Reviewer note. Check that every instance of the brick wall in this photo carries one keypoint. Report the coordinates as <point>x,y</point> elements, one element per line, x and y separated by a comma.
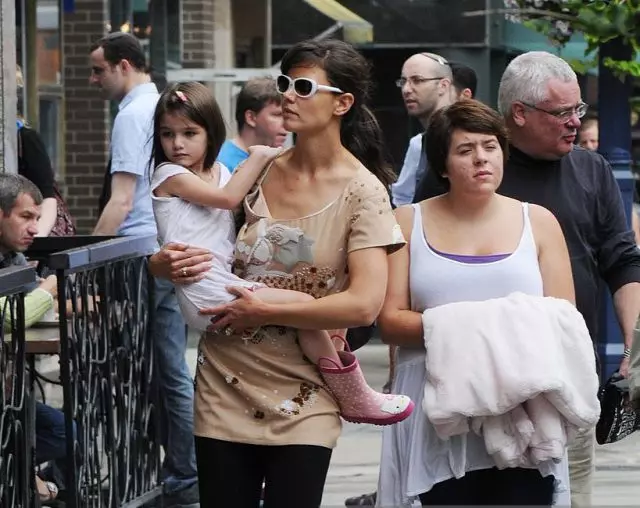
<point>86,113</point>
<point>198,25</point>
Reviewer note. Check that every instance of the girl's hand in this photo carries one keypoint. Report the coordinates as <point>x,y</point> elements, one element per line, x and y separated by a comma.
<point>244,313</point>
<point>265,153</point>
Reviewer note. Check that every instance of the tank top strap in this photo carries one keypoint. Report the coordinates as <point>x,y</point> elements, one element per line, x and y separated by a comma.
<point>527,230</point>
<point>417,233</point>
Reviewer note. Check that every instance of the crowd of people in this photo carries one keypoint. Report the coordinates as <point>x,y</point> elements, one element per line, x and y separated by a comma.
<point>480,264</point>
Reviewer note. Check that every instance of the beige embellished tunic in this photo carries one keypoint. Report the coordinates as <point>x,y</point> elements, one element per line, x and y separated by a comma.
<point>262,390</point>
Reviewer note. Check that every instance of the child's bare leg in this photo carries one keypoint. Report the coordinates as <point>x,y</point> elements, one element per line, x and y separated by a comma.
<point>315,344</point>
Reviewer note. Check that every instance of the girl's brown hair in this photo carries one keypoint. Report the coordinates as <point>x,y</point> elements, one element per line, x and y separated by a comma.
<point>195,102</point>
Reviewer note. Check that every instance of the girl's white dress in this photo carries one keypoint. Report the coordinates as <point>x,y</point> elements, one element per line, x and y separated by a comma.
<point>198,226</point>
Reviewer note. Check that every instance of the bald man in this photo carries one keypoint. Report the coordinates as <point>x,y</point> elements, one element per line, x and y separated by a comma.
<point>426,85</point>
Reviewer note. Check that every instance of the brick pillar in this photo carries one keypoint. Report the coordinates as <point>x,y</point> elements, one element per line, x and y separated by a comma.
<point>87,121</point>
<point>208,43</point>
<point>8,96</point>
<point>198,28</point>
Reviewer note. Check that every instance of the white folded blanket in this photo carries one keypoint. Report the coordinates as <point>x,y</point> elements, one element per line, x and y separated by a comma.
<point>520,370</point>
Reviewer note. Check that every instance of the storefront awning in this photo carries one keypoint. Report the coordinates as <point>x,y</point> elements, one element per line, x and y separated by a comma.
<point>356,29</point>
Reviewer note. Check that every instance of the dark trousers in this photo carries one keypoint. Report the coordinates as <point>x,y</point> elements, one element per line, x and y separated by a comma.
<point>231,474</point>
<point>513,486</point>
<point>51,443</point>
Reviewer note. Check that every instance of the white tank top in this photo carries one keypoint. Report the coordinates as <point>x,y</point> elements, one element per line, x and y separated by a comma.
<point>414,457</point>
<point>437,280</point>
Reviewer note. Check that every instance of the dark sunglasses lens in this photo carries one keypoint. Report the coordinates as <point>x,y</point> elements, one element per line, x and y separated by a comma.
<point>282,83</point>
<point>303,87</point>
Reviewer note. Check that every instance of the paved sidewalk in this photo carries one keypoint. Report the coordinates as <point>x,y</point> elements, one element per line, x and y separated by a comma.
<point>354,466</point>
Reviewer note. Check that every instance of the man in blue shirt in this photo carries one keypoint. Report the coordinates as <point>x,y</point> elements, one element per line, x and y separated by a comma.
<point>426,86</point>
<point>119,70</point>
<point>259,121</point>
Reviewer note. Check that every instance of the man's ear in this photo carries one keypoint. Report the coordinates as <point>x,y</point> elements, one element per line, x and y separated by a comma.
<point>250,118</point>
<point>466,93</point>
<point>125,66</point>
<point>518,114</point>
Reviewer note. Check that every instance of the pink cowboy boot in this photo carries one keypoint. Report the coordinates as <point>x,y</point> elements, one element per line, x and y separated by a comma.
<point>358,402</point>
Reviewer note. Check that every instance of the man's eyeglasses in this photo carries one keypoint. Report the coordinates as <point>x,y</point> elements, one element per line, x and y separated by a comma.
<point>415,81</point>
<point>564,115</point>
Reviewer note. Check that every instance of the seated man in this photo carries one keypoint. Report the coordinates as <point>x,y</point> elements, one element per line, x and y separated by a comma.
<point>20,202</point>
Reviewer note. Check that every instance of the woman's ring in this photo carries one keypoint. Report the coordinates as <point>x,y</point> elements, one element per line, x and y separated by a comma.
<point>184,272</point>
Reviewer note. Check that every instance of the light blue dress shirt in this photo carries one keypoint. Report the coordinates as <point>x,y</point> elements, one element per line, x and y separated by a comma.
<point>131,147</point>
<point>413,168</point>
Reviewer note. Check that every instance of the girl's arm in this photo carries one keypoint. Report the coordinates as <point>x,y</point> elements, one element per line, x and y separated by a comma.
<point>398,324</point>
<point>191,188</point>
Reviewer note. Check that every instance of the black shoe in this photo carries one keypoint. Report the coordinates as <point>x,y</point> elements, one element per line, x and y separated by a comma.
<point>186,498</point>
<point>363,500</point>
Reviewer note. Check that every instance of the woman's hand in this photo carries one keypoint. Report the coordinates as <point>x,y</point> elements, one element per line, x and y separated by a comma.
<point>180,263</point>
<point>244,313</point>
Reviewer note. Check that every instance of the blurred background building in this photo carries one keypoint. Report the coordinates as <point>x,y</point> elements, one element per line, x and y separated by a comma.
<point>224,42</point>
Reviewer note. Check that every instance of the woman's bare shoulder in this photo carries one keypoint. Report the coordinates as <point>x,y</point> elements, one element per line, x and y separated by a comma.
<point>541,215</point>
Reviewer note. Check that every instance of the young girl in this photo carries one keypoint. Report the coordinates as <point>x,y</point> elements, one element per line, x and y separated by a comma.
<point>192,198</point>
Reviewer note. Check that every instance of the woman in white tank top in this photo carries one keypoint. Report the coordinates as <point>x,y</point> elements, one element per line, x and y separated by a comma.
<point>470,244</point>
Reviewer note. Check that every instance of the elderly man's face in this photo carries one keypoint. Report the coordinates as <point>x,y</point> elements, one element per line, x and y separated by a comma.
<point>551,126</point>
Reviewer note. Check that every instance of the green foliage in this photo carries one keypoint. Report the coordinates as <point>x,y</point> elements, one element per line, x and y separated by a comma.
<point>598,20</point>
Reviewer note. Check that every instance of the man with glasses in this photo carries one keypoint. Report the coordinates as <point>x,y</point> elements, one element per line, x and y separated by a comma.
<point>426,86</point>
<point>539,97</point>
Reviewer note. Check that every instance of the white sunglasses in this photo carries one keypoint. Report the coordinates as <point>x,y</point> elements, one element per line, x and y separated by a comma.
<point>303,87</point>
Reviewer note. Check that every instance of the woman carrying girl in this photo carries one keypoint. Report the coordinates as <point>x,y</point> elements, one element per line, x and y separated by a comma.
<point>192,198</point>
<point>319,221</point>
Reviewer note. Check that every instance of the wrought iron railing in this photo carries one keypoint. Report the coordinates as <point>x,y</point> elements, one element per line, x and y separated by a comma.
<point>17,468</point>
<point>105,304</point>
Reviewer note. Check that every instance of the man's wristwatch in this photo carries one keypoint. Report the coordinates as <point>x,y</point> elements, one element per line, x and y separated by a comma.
<point>626,353</point>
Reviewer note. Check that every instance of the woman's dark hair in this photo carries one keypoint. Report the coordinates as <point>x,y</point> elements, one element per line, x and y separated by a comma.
<point>195,102</point>
<point>348,70</point>
<point>466,115</point>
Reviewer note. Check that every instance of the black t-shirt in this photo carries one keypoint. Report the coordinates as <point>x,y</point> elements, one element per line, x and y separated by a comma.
<point>583,194</point>
<point>34,162</point>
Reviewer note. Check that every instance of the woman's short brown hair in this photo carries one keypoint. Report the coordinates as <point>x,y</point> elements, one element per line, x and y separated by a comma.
<point>466,115</point>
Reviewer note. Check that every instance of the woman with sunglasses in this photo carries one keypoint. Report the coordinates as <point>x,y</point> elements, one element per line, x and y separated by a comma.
<point>318,221</point>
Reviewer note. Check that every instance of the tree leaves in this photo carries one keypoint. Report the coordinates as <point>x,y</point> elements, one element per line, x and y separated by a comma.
<point>599,21</point>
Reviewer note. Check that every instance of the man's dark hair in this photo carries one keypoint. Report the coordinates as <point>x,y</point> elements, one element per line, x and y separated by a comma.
<point>256,94</point>
<point>118,46</point>
<point>464,77</point>
<point>11,186</point>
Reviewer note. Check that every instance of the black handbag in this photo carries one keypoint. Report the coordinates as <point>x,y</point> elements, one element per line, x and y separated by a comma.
<point>618,418</point>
